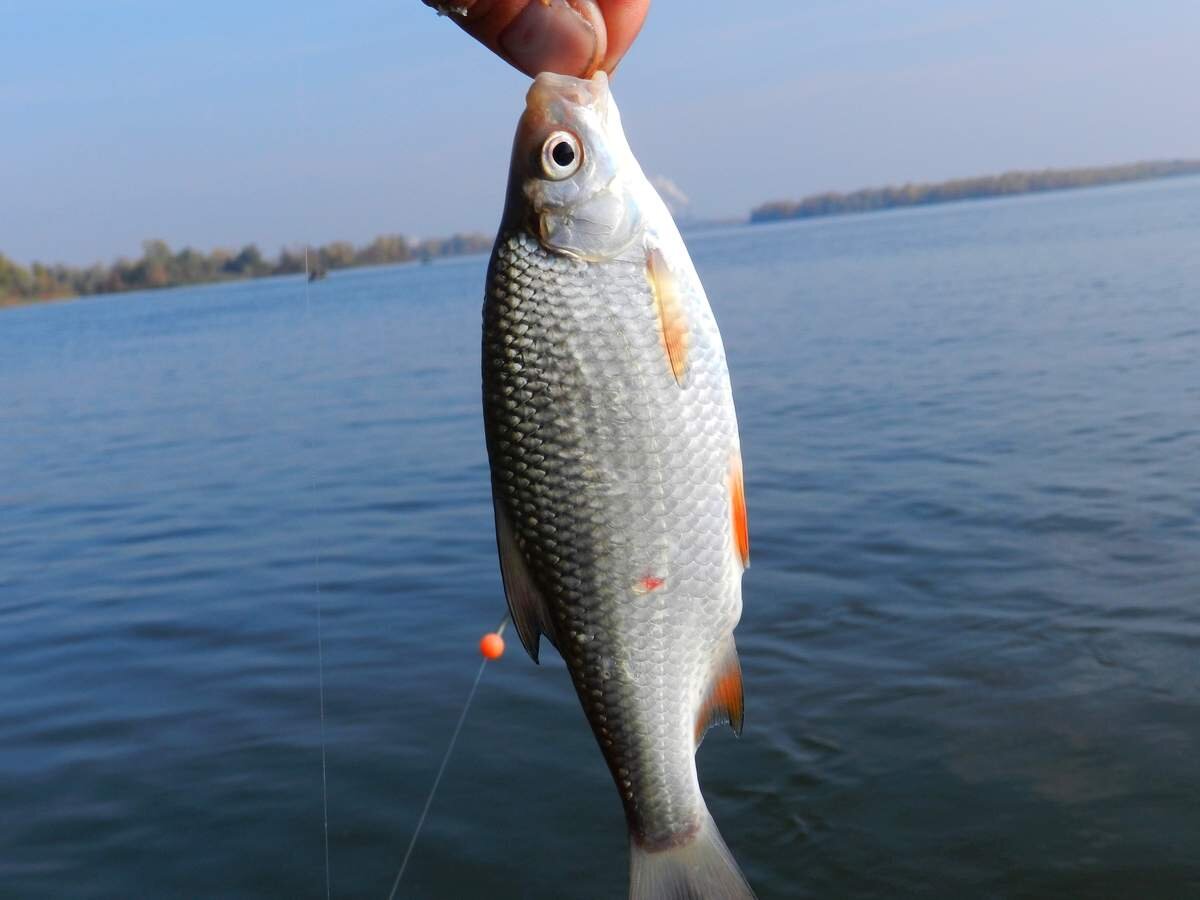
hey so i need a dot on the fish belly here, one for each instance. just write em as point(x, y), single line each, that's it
point(614, 476)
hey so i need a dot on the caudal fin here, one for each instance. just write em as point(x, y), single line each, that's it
point(702, 869)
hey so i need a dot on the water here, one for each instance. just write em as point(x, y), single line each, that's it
point(972, 622)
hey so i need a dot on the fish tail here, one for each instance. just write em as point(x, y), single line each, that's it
point(700, 869)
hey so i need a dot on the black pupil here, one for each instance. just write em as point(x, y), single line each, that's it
point(563, 153)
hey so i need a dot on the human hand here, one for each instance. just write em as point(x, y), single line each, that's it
point(570, 37)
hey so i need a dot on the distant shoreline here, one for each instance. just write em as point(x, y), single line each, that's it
point(160, 267)
point(1008, 184)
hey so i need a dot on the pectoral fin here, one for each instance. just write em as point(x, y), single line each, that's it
point(672, 321)
point(525, 603)
point(724, 701)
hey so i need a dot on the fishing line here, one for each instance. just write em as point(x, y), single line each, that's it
point(301, 97)
point(320, 640)
point(462, 717)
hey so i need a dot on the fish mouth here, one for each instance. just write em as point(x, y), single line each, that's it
point(557, 99)
point(577, 91)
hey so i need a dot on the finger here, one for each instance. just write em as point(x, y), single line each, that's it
point(564, 36)
point(623, 20)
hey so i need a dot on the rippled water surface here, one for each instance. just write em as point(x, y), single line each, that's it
point(971, 637)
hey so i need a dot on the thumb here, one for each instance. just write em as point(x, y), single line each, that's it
point(564, 36)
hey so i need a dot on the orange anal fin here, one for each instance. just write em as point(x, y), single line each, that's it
point(737, 510)
point(672, 321)
point(725, 700)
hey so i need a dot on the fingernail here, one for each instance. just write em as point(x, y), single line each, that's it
point(556, 36)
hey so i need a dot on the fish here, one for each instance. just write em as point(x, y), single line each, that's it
point(616, 471)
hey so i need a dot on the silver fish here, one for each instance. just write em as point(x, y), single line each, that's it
point(616, 471)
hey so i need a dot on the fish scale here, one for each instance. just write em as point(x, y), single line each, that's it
point(611, 475)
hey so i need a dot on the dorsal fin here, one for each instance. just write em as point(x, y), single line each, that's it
point(724, 701)
point(525, 603)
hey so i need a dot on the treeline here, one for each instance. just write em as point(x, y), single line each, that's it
point(160, 267)
point(868, 199)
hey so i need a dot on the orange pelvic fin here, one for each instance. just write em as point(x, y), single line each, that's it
point(672, 321)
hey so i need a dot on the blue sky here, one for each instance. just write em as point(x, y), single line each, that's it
point(223, 123)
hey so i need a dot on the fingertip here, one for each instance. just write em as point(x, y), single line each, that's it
point(571, 37)
point(623, 20)
point(564, 36)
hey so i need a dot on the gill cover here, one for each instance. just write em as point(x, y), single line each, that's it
point(585, 207)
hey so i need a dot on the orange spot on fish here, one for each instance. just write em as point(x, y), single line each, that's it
point(650, 583)
point(672, 322)
point(737, 509)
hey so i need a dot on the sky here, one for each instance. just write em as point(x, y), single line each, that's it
point(224, 123)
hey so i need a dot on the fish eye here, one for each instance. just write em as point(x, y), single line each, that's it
point(561, 155)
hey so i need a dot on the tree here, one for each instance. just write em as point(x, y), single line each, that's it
point(248, 262)
point(14, 280)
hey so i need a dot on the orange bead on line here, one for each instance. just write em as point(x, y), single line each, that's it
point(491, 646)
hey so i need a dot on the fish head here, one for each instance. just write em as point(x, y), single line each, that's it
point(573, 180)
